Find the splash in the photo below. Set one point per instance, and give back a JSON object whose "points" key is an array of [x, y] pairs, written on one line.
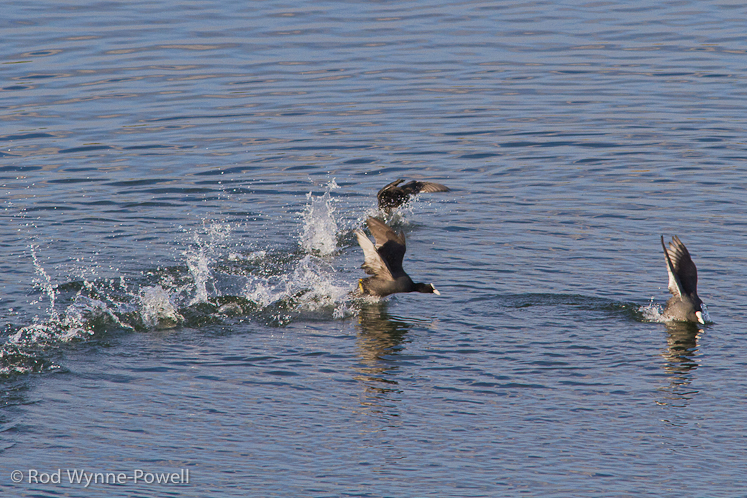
{"points": [[204, 254], [198, 264], [310, 286], [45, 282], [706, 316], [77, 320], [212, 285], [404, 214], [28, 349], [157, 310], [15, 360], [319, 232], [253, 256], [654, 313]]}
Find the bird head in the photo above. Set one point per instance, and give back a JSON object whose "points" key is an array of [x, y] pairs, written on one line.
{"points": [[426, 289]]}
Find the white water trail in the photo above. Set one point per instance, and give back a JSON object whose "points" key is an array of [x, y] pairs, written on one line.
{"points": [[310, 286]]}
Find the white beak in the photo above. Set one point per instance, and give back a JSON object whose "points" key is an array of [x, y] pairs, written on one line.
{"points": [[700, 317], [435, 291]]}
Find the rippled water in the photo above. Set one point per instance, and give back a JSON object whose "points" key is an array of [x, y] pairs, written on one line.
{"points": [[180, 185]]}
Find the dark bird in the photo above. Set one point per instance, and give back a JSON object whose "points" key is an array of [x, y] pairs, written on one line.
{"points": [[393, 195], [384, 262], [684, 305]]}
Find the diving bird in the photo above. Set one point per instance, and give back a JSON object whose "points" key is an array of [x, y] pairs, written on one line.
{"points": [[384, 262], [393, 195], [684, 305]]}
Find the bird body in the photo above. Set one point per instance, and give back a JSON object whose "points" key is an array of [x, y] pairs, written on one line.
{"points": [[684, 305], [394, 195], [384, 262]]}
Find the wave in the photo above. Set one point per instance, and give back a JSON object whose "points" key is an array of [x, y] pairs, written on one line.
{"points": [[644, 313]]}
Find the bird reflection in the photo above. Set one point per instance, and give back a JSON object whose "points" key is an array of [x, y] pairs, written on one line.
{"points": [[680, 356], [379, 341]]}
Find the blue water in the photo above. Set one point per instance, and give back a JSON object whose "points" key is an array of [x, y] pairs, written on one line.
{"points": [[180, 182]]}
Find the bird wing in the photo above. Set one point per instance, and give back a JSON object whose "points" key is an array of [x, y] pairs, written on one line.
{"points": [[372, 262], [416, 187], [383, 233], [684, 266], [683, 275], [393, 253], [391, 246]]}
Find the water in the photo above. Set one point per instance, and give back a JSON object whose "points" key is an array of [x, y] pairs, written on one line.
{"points": [[180, 182]]}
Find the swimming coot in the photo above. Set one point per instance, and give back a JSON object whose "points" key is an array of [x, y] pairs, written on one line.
{"points": [[684, 305]]}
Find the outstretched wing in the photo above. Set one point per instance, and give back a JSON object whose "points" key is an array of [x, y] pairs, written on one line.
{"points": [[416, 187], [683, 275], [383, 233], [372, 262], [391, 246]]}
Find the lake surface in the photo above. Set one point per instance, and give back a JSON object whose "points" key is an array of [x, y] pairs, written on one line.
{"points": [[180, 182]]}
